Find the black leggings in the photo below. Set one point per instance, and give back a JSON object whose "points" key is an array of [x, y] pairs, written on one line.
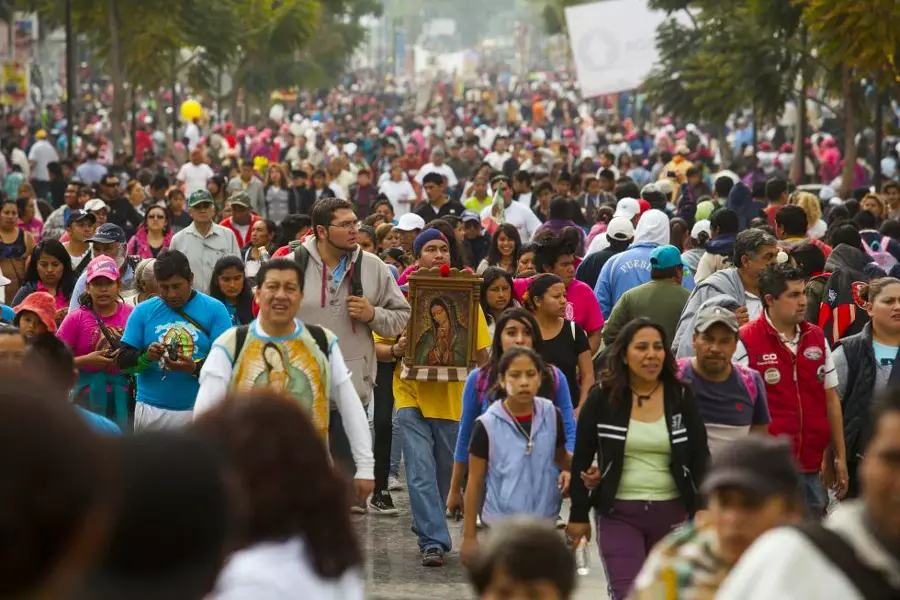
{"points": [[383, 421]]}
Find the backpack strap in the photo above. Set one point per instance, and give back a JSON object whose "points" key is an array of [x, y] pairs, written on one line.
{"points": [[746, 376], [870, 583], [301, 256], [321, 339], [240, 339], [356, 288]]}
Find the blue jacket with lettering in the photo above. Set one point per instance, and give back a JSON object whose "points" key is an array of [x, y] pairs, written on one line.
{"points": [[622, 272]]}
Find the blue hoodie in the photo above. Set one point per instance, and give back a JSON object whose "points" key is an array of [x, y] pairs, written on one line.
{"points": [[631, 268], [740, 200]]}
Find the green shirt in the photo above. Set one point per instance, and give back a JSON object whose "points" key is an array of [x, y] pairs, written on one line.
{"points": [[478, 205], [662, 301], [645, 472]]}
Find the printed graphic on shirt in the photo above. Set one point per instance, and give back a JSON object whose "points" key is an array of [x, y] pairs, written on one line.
{"points": [[570, 311], [183, 333], [101, 343], [287, 367]]}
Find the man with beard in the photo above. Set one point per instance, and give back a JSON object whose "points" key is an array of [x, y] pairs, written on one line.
{"points": [[732, 397]]}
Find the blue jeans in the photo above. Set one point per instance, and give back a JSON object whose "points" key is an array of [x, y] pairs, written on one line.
{"points": [[396, 447], [428, 446], [814, 496]]}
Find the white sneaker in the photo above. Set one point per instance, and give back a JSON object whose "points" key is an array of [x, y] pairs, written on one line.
{"points": [[358, 509], [478, 524], [394, 484]]}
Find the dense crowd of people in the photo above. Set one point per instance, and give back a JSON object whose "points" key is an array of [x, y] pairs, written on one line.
{"points": [[689, 350]]}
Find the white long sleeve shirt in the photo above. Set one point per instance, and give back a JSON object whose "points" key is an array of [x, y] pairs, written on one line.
{"points": [[215, 379]]}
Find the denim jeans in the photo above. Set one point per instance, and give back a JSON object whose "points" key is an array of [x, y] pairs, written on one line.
{"points": [[814, 496], [428, 446], [396, 447]]}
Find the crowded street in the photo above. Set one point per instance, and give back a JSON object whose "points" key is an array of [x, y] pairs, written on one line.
{"points": [[333, 301]]}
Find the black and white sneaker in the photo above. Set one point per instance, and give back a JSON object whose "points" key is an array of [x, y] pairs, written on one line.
{"points": [[433, 557], [381, 503]]}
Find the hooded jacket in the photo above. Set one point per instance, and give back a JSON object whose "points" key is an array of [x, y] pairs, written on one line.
{"points": [[631, 268], [725, 283], [740, 200], [719, 255]]}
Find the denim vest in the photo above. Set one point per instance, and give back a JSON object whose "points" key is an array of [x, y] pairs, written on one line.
{"points": [[520, 484]]}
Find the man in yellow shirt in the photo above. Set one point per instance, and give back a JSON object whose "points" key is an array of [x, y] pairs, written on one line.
{"points": [[428, 414], [480, 198]]}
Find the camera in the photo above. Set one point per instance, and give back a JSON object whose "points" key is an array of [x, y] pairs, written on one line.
{"points": [[173, 349]]}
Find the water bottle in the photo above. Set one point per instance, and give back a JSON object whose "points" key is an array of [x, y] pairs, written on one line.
{"points": [[263, 255], [582, 560]]}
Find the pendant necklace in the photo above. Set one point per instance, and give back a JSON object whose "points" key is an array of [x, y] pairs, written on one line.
{"points": [[642, 397], [529, 443]]}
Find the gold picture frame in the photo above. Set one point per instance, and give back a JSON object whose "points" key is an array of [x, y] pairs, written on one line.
{"points": [[443, 327]]}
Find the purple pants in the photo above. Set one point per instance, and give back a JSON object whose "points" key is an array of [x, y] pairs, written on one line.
{"points": [[627, 535]]}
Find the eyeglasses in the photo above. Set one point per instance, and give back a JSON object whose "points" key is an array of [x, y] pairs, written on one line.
{"points": [[346, 225], [156, 217], [112, 183]]}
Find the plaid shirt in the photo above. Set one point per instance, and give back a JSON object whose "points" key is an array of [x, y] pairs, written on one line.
{"points": [[683, 566]]}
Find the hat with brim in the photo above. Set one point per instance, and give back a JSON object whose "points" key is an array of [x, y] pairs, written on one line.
{"points": [[108, 233], [43, 305], [410, 222], [760, 466], [200, 197], [716, 315], [239, 199], [80, 215]]}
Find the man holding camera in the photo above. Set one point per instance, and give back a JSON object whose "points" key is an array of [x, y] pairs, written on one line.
{"points": [[166, 341]]}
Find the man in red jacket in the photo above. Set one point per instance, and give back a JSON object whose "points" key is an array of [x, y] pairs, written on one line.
{"points": [[795, 362]]}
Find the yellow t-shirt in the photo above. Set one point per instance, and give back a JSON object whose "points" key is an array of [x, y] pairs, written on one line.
{"points": [[478, 204], [435, 400]]}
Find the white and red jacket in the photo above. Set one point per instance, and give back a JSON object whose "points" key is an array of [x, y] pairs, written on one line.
{"points": [[795, 387]]}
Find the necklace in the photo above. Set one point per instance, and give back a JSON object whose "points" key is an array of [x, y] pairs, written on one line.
{"points": [[529, 443], [642, 397]]}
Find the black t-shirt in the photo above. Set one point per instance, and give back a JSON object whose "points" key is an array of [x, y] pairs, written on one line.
{"points": [[563, 351], [479, 446], [428, 212]]}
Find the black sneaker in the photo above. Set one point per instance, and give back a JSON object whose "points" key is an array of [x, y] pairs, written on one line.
{"points": [[381, 503], [433, 557]]}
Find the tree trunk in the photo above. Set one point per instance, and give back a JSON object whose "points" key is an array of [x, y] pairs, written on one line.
{"points": [[116, 74], [849, 99], [798, 166], [724, 146]]}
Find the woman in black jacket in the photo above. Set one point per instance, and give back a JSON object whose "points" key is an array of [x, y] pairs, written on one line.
{"points": [[645, 429]]}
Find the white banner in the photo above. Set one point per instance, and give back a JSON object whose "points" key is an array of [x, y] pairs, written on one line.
{"points": [[613, 44]]}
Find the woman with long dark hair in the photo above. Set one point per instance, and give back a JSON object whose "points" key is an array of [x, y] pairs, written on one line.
{"points": [[445, 342], [645, 428], [94, 333], [15, 245], [49, 270], [293, 531], [152, 235], [229, 286], [505, 248], [515, 327], [496, 295]]}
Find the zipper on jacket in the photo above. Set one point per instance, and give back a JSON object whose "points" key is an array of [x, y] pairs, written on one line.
{"points": [[690, 478], [796, 386], [605, 471]]}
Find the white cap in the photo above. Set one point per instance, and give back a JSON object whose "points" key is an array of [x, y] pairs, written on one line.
{"points": [[666, 187], [95, 204], [620, 228], [701, 225], [826, 193], [628, 208], [410, 222], [4, 281]]}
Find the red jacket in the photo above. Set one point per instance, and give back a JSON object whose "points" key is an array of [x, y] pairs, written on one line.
{"points": [[794, 387], [242, 241]]}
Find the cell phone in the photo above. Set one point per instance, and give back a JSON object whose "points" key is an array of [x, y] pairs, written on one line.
{"points": [[672, 175], [172, 349]]}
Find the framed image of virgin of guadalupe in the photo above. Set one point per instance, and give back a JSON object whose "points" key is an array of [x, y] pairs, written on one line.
{"points": [[443, 326]]}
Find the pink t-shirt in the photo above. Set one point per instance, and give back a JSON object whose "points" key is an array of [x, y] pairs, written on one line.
{"points": [[80, 331], [581, 303]]}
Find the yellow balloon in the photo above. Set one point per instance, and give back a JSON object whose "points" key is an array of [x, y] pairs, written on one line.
{"points": [[191, 109]]}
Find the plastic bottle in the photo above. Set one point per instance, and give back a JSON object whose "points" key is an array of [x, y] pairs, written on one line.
{"points": [[582, 560]]}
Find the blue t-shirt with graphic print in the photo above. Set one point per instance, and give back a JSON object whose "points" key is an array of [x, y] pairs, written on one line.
{"points": [[153, 321]]}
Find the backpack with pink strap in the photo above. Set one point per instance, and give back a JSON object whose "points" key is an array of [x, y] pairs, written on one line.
{"points": [[745, 373]]}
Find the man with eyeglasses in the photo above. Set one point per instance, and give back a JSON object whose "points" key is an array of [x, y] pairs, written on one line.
{"points": [[437, 204], [121, 211], [203, 241], [334, 266]]}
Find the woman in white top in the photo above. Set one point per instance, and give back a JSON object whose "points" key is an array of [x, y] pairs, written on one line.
{"points": [[294, 537], [399, 191]]}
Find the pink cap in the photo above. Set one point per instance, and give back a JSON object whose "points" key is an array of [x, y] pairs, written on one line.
{"points": [[102, 266], [252, 130]]}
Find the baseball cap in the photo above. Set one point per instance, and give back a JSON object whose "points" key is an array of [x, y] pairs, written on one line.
{"points": [[239, 199], [41, 134], [699, 227], [712, 315], [628, 208], [410, 222], [95, 204], [469, 215], [757, 464], [200, 197], [620, 229], [665, 257], [102, 266], [80, 215], [108, 233]]}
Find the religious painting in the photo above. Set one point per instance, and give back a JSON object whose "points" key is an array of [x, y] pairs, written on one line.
{"points": [[443, 325]]}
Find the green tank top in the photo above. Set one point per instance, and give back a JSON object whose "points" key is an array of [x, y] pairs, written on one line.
{"points": [[648, 453]]}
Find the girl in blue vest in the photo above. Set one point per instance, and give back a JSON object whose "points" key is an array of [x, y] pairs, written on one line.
{"points": [[515, 327], [518, 447]]}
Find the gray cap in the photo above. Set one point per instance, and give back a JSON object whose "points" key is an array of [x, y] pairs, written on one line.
{"points": [[759, 465], [711, 315]]}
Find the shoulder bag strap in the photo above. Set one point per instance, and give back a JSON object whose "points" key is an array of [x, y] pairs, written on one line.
{"points": [[321, 339], [113, 343], [191, 320]]}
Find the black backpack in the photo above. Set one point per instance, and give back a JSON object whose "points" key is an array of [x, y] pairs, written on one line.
{"points": [[301, 255], [314, 330]]}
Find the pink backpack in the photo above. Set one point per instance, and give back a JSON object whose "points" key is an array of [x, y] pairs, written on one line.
{"points": [[879, 253]]}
